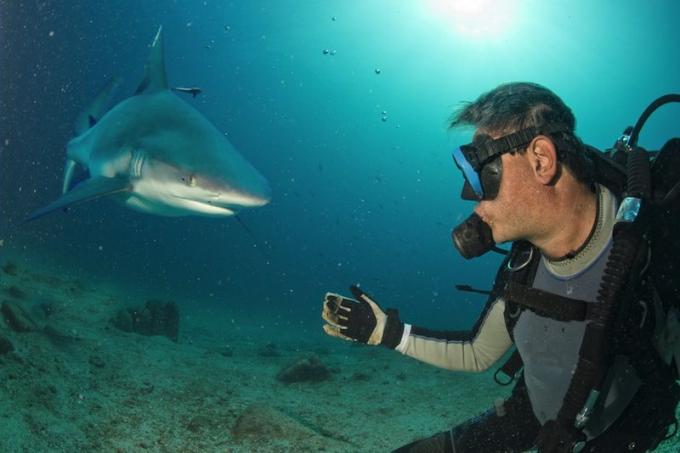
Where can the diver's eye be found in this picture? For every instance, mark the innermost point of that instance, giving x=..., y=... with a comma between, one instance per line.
x=189, y=180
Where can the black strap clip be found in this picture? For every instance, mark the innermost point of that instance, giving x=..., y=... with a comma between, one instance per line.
x=511, y=369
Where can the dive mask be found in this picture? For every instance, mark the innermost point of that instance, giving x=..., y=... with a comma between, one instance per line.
x=481, y=165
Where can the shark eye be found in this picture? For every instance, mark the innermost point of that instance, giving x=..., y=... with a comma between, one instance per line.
x=190, y=180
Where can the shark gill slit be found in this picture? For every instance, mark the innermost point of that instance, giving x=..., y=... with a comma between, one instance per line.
x=136, y=164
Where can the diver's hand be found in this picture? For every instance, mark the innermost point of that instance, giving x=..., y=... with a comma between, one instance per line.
x=361, y=320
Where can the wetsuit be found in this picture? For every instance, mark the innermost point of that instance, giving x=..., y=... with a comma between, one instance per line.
x=632, y=415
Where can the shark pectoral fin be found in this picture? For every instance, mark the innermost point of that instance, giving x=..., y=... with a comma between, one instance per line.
x=74, y=174
x=87, y=190
x=68, y=175
x=154, y=72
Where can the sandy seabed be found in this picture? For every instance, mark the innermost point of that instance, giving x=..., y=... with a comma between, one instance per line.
x=73, y=382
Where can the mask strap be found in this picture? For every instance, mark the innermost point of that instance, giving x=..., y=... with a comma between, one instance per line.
x=491, y=149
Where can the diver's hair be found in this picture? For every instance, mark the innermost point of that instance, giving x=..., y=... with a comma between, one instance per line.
x=511, y=107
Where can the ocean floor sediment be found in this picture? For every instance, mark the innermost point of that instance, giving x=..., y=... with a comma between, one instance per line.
x=70, y=380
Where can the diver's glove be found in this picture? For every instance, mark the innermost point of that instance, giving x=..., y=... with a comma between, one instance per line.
x=361, y=320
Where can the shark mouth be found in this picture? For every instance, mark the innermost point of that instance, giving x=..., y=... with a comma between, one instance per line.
x=207, y=207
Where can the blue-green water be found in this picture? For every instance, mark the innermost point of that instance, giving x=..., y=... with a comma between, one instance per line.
x=355, y=198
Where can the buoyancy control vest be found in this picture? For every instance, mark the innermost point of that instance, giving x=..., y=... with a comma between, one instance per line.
x=638, y=314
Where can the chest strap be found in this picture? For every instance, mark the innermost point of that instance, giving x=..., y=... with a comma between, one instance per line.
x=546, y=304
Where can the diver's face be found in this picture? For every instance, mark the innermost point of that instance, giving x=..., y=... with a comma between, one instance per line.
x=508, y=213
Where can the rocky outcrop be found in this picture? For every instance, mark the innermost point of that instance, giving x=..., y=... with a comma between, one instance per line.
x=5, y=345
x=305, y=370
x=155, y=318
x=9, y=268
x=17, y=318
x=16, y=293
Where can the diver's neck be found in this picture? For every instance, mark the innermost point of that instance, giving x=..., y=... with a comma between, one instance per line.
x=572, y=223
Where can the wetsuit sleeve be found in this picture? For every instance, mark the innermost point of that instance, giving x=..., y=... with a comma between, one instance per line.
x=474, y=350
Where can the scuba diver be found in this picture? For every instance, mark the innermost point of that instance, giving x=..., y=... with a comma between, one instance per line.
x=586, y=295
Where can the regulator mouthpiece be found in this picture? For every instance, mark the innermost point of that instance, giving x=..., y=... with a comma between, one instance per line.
x=473, y=237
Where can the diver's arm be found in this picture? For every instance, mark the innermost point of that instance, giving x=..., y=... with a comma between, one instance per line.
x=363, y=320
x=474, y=350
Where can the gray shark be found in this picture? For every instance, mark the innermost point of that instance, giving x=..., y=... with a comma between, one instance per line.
x=155, y=153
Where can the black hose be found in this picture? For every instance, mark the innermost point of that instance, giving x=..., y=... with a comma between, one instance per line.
x=593, y=355
x=639, y=175
x=646, y=114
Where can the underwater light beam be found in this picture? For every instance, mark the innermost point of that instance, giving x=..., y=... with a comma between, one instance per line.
x=476, y=19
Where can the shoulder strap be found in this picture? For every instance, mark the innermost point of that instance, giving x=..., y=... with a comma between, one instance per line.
x=546, y=304
x=517, y=269
x=521, y=268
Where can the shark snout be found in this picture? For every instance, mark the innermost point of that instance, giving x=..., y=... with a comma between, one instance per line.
x=252, y=197
x=250, y=193
x=264, y=195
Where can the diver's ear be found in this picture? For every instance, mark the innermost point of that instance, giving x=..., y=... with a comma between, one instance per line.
x=542, y=156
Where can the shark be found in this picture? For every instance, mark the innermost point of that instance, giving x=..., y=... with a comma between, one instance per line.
x=156, y=154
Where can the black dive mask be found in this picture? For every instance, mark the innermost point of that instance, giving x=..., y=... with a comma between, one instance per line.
x=481, y=164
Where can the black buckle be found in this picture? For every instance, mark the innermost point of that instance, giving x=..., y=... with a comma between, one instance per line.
x=512, y=368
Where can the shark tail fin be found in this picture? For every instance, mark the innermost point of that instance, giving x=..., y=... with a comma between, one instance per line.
x=154, y=72
x=93, y=112
x=87, y=190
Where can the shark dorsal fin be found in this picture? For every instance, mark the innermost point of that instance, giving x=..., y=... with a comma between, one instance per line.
x=97, y=108
x=154, y=72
